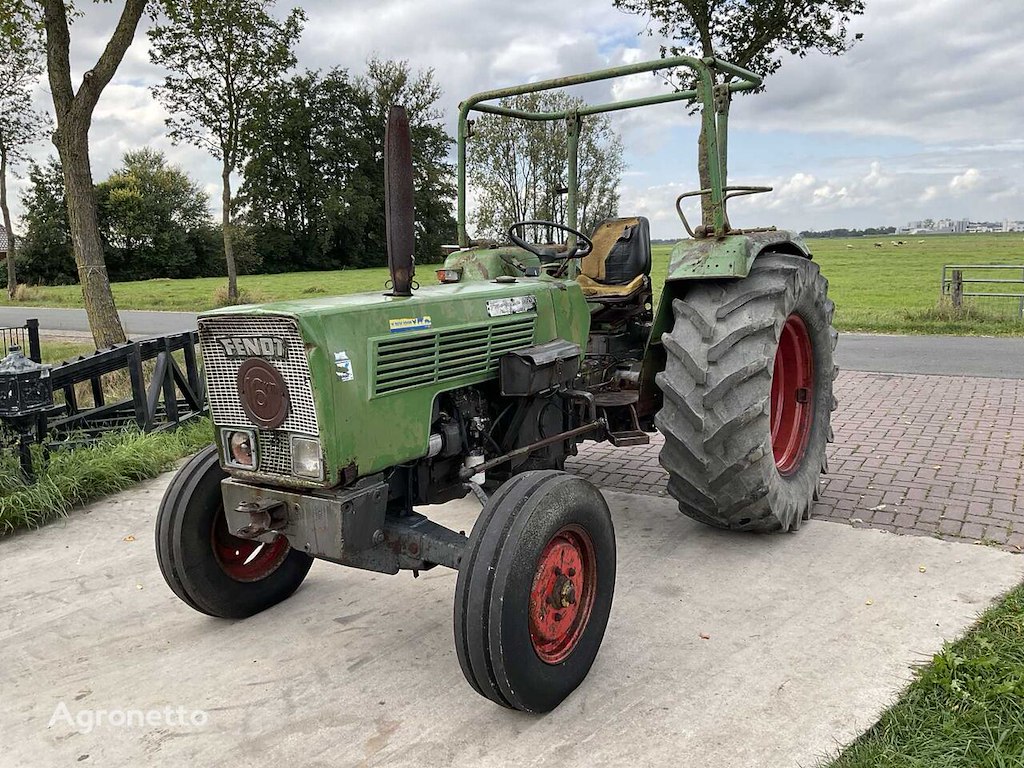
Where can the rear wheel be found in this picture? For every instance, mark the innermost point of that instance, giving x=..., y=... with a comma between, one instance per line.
x=206, y=566
x=748, y=396
x=534, y=590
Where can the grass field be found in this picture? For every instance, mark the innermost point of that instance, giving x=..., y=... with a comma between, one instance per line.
x=883, y=290
x=963, y=708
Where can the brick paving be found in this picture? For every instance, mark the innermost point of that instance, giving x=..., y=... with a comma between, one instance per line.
x=926, y=455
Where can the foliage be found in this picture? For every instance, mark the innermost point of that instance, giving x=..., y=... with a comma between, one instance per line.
x=314, y=182
x=754, y=34
x=154, y=219
x=74, y=477
x=20, y=124
x=46, y=251
x=963, y=708
x=221, y=55
x=519, y=167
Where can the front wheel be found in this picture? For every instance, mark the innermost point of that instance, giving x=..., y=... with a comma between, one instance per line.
x=748, y=396
x=207, y=567
x=535, y=590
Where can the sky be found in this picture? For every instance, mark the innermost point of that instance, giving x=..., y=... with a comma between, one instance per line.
x=921, y=119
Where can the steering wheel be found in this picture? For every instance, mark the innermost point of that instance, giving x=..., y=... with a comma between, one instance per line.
x=582, y=248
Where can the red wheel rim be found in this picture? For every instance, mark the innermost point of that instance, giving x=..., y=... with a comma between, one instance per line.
x=792, y=395
x=562, y=596
x=245, y=559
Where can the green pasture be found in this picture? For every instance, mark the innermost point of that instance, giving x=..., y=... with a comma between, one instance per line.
x=880, y=289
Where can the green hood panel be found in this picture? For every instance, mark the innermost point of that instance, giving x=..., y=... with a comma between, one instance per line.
x=378, y=362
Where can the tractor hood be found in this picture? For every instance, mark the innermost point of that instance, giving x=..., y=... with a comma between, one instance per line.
x=367, y=367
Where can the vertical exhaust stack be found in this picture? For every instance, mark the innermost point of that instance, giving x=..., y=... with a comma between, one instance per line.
x=399, y=210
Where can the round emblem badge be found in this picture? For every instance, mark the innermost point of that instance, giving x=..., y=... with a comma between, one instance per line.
x=263, y=393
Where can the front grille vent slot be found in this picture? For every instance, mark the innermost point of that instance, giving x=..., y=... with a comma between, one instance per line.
x=419, y=359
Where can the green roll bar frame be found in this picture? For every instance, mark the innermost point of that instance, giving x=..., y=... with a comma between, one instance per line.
x=714, y=114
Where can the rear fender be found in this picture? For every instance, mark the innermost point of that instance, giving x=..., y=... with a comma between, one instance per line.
x=713, y=259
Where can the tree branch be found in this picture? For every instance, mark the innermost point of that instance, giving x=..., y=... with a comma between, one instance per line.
x=96, y=79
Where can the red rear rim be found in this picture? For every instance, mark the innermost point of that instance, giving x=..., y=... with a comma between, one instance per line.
x=244, y=559
x=562, y=597
x=792, y=395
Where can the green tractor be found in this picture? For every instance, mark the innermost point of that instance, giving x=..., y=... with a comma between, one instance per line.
x=337, y=418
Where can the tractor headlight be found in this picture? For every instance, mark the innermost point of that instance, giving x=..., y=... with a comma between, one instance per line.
x=306, y=458
x=239, y=448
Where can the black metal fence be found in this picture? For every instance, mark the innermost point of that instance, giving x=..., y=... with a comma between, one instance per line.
x=153, y=384
x=24, y=336
x=169, y=395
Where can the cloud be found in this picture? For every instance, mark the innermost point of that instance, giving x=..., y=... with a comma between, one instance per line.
x=920, y=119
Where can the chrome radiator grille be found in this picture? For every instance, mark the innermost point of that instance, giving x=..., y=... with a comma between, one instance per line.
x=446, y=355
x=222, y=382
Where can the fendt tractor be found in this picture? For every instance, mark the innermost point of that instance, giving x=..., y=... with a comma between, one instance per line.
x=336, y=419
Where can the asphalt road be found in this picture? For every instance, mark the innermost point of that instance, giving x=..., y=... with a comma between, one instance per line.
x=945, y=355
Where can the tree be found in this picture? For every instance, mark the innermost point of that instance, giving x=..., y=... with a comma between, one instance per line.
x=301, y=150
x=520, y=167
x=73, y=110
x=20, y=125
x=314, y=181
x=222, y=54
x=393, y=82
x=47, y=255
x=754, y=34
x=150, y=213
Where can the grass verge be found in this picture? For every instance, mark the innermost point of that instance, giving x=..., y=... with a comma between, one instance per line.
x=74, y=477
x=877, y=288
x=963, y=709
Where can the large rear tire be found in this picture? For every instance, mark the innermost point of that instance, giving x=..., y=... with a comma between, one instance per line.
x=748, y=396
x=207, y=567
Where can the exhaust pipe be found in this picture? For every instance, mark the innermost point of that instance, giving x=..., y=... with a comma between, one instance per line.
x=399, y=210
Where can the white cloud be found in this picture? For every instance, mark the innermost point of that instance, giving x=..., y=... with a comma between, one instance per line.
x=921, y=119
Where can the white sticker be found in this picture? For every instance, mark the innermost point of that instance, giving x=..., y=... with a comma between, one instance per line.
x=514, y=306
x=343, y=366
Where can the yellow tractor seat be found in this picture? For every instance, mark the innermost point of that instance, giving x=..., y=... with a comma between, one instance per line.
x=620, y=261
x=595, y=290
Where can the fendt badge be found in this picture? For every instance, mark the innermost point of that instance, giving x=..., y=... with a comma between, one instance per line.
x=267, y=347
x=263, y=393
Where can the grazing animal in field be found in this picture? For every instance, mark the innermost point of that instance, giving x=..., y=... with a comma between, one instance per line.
x=920, y=241
x=849, y=246
x=878, y=245
x=893, y=242
x=900, y=242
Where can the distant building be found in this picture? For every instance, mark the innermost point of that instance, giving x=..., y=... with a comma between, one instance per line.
x=3, y=243
x=1013, y=226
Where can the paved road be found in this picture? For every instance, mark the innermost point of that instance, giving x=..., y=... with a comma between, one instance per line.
x=722, y=651
x=914, y=454
x=1001, y=358
x=136, y=324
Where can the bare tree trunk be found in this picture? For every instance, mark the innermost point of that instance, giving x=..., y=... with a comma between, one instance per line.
x=73, y=111
x=12, y=278
x=228, y=225
x=73, y=147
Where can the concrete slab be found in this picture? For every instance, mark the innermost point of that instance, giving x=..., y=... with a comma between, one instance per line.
x=722, y=650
